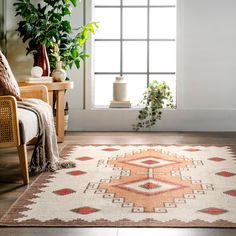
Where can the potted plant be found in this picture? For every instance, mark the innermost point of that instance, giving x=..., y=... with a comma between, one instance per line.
x=46, y=23
x=156, y=97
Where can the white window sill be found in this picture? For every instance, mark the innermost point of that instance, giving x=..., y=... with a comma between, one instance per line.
x=133, y=108
x=106, y=107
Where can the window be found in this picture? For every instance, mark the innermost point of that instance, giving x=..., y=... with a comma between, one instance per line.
x=136, y=39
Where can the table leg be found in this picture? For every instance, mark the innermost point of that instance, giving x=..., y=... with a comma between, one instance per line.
x=60, y=103
x=50, y=96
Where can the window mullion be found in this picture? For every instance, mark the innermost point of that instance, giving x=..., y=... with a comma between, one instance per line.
x=148, y=42
x=121, y=37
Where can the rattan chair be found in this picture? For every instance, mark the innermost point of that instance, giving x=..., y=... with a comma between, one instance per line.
x=10, y=134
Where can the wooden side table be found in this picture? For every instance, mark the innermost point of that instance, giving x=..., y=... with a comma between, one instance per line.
x=57, y=88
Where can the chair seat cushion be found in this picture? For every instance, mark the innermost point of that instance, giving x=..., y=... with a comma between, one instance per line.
x=28, y=124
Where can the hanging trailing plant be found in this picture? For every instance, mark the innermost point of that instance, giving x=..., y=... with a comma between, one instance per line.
x=156, y=97
x=47, y=23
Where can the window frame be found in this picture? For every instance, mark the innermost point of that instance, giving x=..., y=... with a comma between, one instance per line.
x=90, y=68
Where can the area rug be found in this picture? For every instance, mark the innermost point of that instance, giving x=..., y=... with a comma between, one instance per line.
x=136, y=185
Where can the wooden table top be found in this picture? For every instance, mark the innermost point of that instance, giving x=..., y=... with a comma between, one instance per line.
x=51, y=86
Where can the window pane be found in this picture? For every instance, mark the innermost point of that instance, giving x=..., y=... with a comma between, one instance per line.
x=107, y=56
x=106, y=2
x=136, y=85
x=135, y=23
x=162, y=23
x=169, y=79
x=134, y=2
x=162, y=2
x=134, y=56
x=104, y=83
x=109, y=23
x=162, y=57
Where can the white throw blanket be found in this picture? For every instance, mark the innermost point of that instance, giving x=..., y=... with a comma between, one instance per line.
x=45, y=155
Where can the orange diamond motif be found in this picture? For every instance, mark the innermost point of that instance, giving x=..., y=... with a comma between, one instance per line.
x=231, y=192
x=149, y=185
x=64, y=191
x=110, y=149
x=225, y=174
x=150, y=162
x=213, y=211
x=216, y=159
x=191, y=149
x=76, y=172
x=85, y=158
x=84, y=210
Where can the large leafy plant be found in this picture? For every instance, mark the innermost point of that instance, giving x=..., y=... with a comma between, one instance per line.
x=156, y=97
x=47, y=23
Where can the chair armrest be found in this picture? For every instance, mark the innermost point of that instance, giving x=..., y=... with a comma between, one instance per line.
x=35, y=91
x=9, y=128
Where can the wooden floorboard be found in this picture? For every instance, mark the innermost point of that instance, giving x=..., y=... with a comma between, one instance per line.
x=11, y=184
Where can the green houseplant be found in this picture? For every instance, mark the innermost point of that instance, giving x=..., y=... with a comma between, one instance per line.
x=47, y=23
x=156, y=97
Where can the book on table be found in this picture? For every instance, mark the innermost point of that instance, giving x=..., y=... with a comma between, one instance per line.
x=43, y=79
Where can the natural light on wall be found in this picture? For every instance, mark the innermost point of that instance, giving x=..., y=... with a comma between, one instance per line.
x=136, y=39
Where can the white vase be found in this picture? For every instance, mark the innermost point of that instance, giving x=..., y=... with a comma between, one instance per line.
x=59, y=75
x=119, y=89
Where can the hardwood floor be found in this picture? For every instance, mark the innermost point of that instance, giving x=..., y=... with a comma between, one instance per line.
x=11, y=184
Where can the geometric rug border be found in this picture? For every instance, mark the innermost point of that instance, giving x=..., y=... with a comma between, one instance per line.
x=45, y=177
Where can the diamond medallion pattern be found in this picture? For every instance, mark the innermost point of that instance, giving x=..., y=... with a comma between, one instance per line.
x=148, y=187
x=151, y=175
x=150, y=161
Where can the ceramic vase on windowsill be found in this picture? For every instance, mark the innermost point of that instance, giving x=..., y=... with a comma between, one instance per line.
x=59, y=75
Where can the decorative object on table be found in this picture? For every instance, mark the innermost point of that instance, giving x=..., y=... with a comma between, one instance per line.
x=156, y=97
x=36, y=72
x=58, y=74
x=41, y=59
x=42, y=79
x=133, y=185
x=120, y=94
x=47, y=23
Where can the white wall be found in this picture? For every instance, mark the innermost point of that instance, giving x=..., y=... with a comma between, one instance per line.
x=209, y=54
x=206, y=73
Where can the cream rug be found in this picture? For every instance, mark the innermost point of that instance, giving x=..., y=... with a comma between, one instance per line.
x=136, y=185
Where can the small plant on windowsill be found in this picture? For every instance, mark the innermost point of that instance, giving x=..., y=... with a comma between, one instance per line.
x=156, y=97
